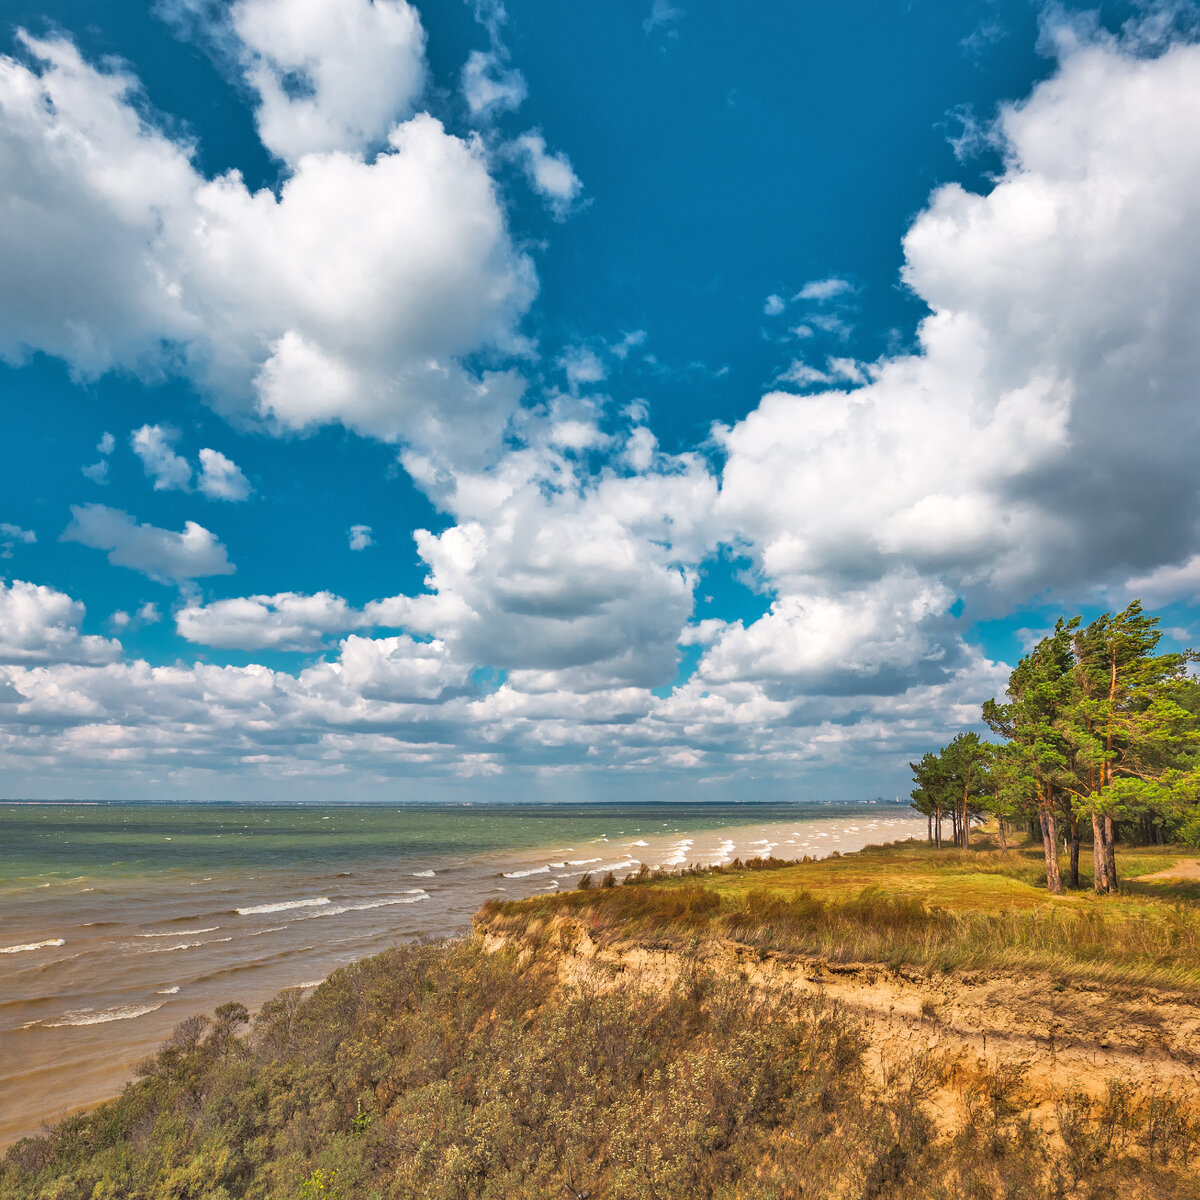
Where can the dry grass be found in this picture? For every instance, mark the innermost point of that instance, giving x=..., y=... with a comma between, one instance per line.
x=902, y=905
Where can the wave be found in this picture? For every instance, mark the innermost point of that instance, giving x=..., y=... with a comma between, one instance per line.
x=167, y=991
x=89, y=1016
x=580, y=862
x=422, y=874
x=182, y=932
x=525, y=874
x=415, y=896
x=251, y=910
x=33, y=946
x=187, y=945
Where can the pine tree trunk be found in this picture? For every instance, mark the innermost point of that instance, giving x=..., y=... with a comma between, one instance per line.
x=1050, y=846
x=1074, y=853
x=1110, y=854
x=966, y=822
x=1003, y=843
x=1099, y=866
x=929, y=829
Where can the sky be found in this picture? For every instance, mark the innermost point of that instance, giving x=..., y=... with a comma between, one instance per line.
x=578, y=401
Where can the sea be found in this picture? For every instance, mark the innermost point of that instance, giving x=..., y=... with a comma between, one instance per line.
x=117, y=921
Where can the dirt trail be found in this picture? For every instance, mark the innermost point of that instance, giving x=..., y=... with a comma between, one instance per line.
x=1076, y=1038
x=1183, y=870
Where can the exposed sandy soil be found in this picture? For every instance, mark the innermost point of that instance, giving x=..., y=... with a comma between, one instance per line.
x=1182, y=870
x=1074, y=1039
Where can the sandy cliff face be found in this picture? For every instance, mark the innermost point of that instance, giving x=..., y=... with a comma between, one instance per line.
x=1063, y=1037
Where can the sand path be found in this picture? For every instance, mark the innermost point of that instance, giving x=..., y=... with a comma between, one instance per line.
x=1182, y=870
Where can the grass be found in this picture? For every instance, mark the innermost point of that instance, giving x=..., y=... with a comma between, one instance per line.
x=905, y=905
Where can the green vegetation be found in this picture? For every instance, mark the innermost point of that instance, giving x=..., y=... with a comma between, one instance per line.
x=904, y=906
x=1100, y=733
x=440, y=1071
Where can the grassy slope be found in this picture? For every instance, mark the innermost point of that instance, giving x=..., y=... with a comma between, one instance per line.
x=909, y=905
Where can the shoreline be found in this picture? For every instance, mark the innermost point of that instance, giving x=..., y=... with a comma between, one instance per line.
x=88, y=1062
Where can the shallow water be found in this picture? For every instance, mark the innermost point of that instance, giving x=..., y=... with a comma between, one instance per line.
x=117, y=921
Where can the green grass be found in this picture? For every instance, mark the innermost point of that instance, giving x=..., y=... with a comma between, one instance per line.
x=905, y=905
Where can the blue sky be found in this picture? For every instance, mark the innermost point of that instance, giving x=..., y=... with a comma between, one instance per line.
x=655, y=398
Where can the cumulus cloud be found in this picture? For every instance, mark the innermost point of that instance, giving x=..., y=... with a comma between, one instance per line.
x=1041, y=432
x=1022, y=444
x=41, y=625
x=360, y=537
x=329, y=77
x=221, y=478
x=218, y=477
x=550, y=175
x=349, y=296
x=154, y=445
x=161, y=554
x=287, y=621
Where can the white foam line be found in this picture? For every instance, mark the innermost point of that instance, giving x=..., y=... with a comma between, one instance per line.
x=33, y=946
x=182, y=932
x=314, y=902
x=187, y=945
x=526, y=874
x=88, y=1016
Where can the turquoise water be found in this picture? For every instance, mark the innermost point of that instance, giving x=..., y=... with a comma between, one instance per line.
x=44, y=841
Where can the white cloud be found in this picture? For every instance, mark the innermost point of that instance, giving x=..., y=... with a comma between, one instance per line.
x=1040, y=433
x=160, y=553
x=550, y=175
x=564, y=579
x=489, y=86
x=582, y=366
x=287, y=621
x=1167, y=584
x=822, y=290
x=1021, y=447
x=221, y=478
x=106, y=444
x=41, y=625
x=347, y=297
x=12, y=536
x=329, y=77
x=773, y=305
x=148, y=614
x=360, y=537
x=154, y=445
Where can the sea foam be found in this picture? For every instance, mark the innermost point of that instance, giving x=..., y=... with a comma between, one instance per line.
x=89, y=1016
x=525, y=874
x=251, y=910
x=33, y=946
